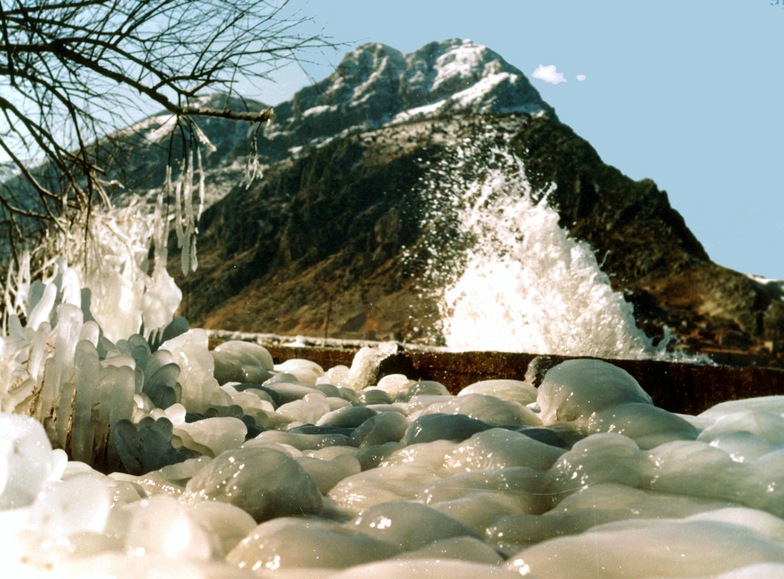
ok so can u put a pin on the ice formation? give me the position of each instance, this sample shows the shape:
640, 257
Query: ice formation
237, 467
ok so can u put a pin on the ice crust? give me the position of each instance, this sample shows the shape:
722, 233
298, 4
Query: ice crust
236, 467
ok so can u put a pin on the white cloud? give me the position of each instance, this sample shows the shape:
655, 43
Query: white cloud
548, 74
580, 77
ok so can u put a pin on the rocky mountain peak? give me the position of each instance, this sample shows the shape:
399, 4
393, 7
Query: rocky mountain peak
376, 85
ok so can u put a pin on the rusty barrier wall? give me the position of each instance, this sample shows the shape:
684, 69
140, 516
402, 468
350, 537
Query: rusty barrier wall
682, 388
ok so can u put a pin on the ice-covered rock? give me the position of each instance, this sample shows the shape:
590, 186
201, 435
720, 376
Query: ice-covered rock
263, 482
303, 370
460, 548
200, 389
575, 389
488, 409
512, 390
379, 429
438, 426
409, 525
376, 486
161, 525
237, 361
497, 449
650, 549
287, 543
25, 460
366, 364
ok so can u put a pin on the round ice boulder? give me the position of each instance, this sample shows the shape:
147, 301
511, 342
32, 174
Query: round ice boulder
78, 505
25, 460
498, 449
265, 483
430, 427
380, 429
161, 525
513, 390
409, 525
287, 543
305, 370
645, 424
488, 409
575, 389
237, 361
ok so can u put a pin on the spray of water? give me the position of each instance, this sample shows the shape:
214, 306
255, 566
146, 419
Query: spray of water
513, 279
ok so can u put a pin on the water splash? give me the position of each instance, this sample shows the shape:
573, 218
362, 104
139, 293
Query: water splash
511, 278
528, 287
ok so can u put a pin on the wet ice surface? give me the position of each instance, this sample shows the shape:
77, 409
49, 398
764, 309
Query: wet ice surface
254, 470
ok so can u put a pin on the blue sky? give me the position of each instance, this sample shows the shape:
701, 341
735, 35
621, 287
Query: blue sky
688, 93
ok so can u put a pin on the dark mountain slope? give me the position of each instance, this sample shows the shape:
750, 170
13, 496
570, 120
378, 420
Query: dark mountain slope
339, 233
642, 240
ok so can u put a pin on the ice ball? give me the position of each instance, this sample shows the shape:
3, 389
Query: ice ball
25, 460
265, 483
287, 543
409, 525
575, 389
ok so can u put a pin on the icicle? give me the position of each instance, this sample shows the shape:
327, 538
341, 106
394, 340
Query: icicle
23, 281
178, 208
7, 301
162, 296
203, 138
160, 227
201, 188
187, 194
194, 259
185, 259
252, 166
102, 191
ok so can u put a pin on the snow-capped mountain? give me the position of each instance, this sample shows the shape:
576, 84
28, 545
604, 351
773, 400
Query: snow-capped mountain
376, 85
373, 86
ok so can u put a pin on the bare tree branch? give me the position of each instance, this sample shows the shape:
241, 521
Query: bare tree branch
72, 70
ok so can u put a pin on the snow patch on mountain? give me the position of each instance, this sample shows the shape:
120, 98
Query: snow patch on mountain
375, 85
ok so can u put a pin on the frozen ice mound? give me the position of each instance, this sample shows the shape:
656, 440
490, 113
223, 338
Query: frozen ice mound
238, 467
428, 568
263, 482
286, 543
460, 548
161, 525
409, 525
574, 389
25, 460
488, 409
498, 449
685, 548
511, 390
242, 362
